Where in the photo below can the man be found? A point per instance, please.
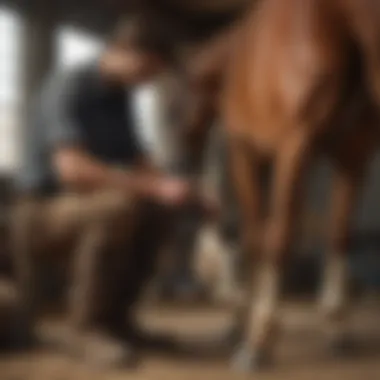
(88, 188)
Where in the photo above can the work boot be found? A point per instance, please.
(100, 349)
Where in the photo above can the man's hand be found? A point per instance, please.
(172, 191)
(176, 192)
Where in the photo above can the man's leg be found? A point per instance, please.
(94, 225)
(182, 282)
(154, 225)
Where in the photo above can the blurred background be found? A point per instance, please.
(37, 35)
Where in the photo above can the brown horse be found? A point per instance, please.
(300, 78)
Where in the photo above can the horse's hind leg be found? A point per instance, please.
(351, 162)
(290, 164)
(335, 284)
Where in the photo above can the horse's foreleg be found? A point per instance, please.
(288, 169)
(245, 175)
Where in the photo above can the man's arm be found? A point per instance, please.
(81, 172)
(74, 167)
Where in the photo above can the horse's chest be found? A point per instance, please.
(261, 125)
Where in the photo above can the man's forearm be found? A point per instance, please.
(83, 173)
(129, 181)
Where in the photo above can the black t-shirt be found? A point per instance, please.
(77, 108)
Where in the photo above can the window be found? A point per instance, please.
(10, 33)
(75, 46)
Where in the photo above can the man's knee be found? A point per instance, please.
(70, 215)
(55, 225)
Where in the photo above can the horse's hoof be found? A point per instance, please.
(246, 361)
(342, 346)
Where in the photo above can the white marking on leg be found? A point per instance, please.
(264, 307)
(334, 290)
(227, 287)
(333, 300)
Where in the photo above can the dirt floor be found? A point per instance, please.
(301, 354)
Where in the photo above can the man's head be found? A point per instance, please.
(136, 52)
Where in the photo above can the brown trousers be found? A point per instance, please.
(106, 242)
